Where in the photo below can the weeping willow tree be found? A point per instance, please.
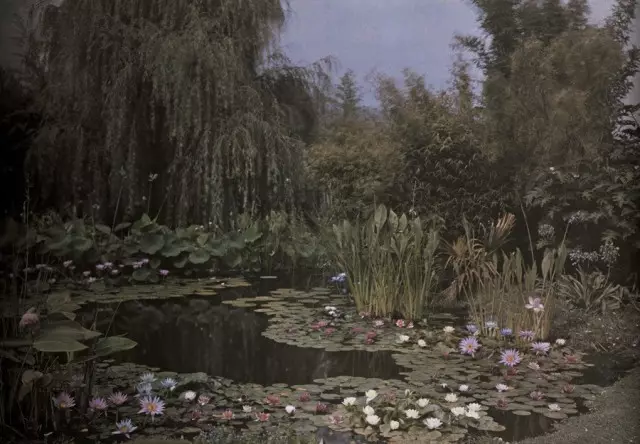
(192, 90)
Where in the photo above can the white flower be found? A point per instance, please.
(412, 413)
(394, 425)
(189, 395)
(457, 411)
(368, 410)
(403, 338)
(560, 341)
(449, 329)
(502, 387)
(451, 397)
(422, 402)
(422, 343)
(247, 408)
(432, 423)
(463, 388)
(370, 395)
(554, 407)
(533, 366)
(372, 419)
(349, 401)
(330, 308)
(290, 409)
(472, 414)
(444, 385)
(474, 407)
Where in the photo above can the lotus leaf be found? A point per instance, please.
(113, 344)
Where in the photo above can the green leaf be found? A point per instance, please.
(28, 376)
(141, 274)
(122, 226)
(113, 344)
(58, 346)
(151, 243)
(252, 234)
(103, 229)
(24, 390)
(154, 263)
(82, 244)
(202, 239)
(66, 329)
(57, 300)
(172, 250)
(180, 263)
(199, 256)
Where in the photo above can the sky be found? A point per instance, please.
(385, 35)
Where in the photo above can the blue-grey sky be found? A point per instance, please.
(385, 35)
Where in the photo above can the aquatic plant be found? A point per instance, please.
(64, 401)
(510, 357)
(469, 345)
(125, 428)
(151, 406)
(117, 398)
(97, 404)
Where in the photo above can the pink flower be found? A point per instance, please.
(118, 398)
(64, 401)
(30, 318)
(227, 414)
(400, 323)
(262, 417)
(97, 404)
(151, 406)
(321, 407)
(163, 273)
(304, 397)
(203, 399)
(273, 400)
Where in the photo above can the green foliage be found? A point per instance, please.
(390, 262)
(348, 95)
(591, 291)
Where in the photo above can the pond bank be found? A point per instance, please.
(615, 417)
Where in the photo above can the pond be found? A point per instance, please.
(269, 335)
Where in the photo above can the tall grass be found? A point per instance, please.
(390, 262)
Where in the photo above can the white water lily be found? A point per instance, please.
(554, 407)
(372, 419)
(368, 410)
(412, 413)
(474, 407)
(449, 329)
(457, 411)
(432, 423)
(247, 408)
(290, 409)
(403, 338)
(534, 366)
(472, 414)
(422, 402)
(502, 387)
(560, 341)
(422, 343)
(370, 395)
(394, 425)
(464, 388)
(451, 397)
(349, 401)
(444, 385)
(189, 395)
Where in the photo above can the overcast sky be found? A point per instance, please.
(385, 35)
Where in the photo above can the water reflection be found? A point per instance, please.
(195, 335)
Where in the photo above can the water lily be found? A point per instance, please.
(169, 383)
(403, 338)
(378, 323)
(472, 328)
(163, 273)
(340, 277)
(535, 304)
(273, 399)
(457, 411)
(227, 414)
(29, 318)
(394, 425)
(472, 414)
(349, 401)
(305, 397)
(290, 409)
(506, 332)
(336, 419)
(449, 329)
(469, 345)
(432, 423)
(67, 264)
(422, 343)
(144, 388)
(370, 395)
(189, 395)
(151, 406)
(147, 377)
(536, 395)
(422, 402)
(321, 407)
(204, 399)
(451, 397)
(491, 325)
(412, 413)
(64, 401)
(502, 387)
(100, 267)
(560, 341)
(510, 357)
(554, 407)
(527, 335)
(368, 410)
(400, 323)
(118, 398)
(534, 366)
(124, 427)
(247, 408)
(474, 407)
(262, 417)
(372, 419)
(97, 404)
(463, 388)
(540, 347)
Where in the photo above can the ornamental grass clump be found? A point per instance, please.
(390, 263)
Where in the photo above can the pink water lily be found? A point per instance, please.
(535, 304)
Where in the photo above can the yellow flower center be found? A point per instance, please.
(152, 408)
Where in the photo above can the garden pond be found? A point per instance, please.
(241, 351)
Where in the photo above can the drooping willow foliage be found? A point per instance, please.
(191, 90)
